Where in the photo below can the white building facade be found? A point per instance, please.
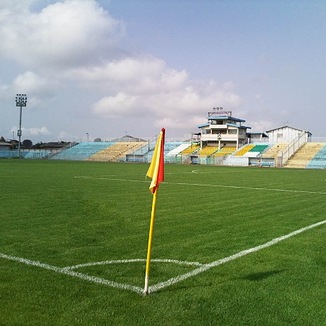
(222, 129)
(286, 134)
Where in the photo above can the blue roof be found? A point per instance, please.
(234, 125)
(228, 124)
(203, 125)
(225, 117)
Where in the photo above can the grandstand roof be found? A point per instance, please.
(234, 125)
(206, 124)
(224, 117)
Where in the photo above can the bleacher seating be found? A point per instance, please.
(171, 150)
(273, 151)
(259, 148)
(141, 150)
(175, 150)
(243, 150)
(190, 150)
(226, 150)
(208, 151)
(310, 155)
(81, 151)
(319, 160)
(116, 151)
(303, 156)
(256, 151)
(171, 145)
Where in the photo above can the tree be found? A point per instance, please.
(27, 143)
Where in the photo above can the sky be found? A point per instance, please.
(109, 68)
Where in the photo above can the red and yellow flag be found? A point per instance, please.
(156, 173)
(156, 168)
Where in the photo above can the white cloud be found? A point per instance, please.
(70, 51)
(29, 82)
(174, 106)
(63, 34)
(132, 74)
(146, 87)
(32, 132)
(37, 131)
(118, 105)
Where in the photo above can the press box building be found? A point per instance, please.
(221, 130)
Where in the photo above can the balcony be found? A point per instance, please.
(219, 137)
(221, 127)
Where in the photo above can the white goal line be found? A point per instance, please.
(156, 287)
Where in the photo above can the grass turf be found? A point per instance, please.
(69, 213)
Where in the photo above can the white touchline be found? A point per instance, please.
(206, 267)
(206, 185)
(243, 187)
(156, 287)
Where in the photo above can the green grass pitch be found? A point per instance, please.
(73, 240)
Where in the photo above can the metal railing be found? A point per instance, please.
(293, 146)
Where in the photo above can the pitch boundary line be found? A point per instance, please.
(206, 185)
(156, 287)
(206, 267)
(66, 271)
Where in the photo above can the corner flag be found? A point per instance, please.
(156, 169)
(156, 173)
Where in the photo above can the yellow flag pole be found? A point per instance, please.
(150, 239)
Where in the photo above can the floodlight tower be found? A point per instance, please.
(21, 101)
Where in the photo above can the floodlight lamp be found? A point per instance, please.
(21, 100)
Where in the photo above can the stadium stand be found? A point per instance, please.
(171, 151)
(319, 160)
(226, 150)
(259, 148)
(256, 151)
(81, 151)
(273, 151)
(171, 146)
(177, 150)
(192, 149)
(139, 153)
(37, 154)
(311, 155)
(208, 151)
(11, 154)
(116, 152)
(243, 150)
